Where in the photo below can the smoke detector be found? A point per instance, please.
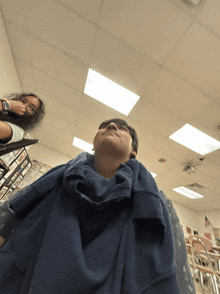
(189, 169)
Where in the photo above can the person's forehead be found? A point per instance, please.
(33, 100)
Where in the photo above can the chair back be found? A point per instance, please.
(196, 244)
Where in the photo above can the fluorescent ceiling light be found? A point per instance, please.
(108, 92)
(82, 145)
(153, 174)
(195, 140)
(188, 193)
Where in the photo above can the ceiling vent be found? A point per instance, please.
(195, 187)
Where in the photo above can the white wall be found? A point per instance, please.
(196, 220)
(188, 217)
(9, 81)
(213, 217)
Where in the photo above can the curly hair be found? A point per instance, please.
(120, 122)
(26, 122)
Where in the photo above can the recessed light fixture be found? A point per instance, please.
(195, 140)
(162, 160)
(108, 92)
(188, 193)
(153, 174)
(83, 145)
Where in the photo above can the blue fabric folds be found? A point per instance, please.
(81, 233)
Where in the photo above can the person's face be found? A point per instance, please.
(31, 103)
(114, 139)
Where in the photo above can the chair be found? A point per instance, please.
(203, 264)
(7, 148)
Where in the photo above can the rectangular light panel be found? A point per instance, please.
(82, 145)
(195, 140)
(188, 193)
(109, 93)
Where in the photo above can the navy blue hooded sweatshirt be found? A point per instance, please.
(81, 233)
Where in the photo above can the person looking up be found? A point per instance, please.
(96, 224)
(19, 114)
(114, 143)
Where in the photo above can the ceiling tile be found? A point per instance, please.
(152, 27)
(195, 204)
(63, 112)
(9, 11)
(210, 15)
(176, 96)
(47, 155)
(185, 8)
(170, 180)
(48, 87)
(154, 130)
(202, 176)
(149, 157)
(9, 81)
(54, 24)
(33, 51)
(57, 133)
(121, 64)
(60, 141)
(88, 9)
(197, 59)
(210, 168)
(155, 117)
(207, 120)
(69, 121)
(98, 111)
(59, 124)
(217, 94)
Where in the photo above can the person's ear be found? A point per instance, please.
(134, 153)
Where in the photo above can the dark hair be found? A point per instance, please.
(120, 122)
(27, 122)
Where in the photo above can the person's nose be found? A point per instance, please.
(112, 126)
(24, 104)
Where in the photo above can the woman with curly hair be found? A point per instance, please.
(18, 114)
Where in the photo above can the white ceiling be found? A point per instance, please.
(163, 50)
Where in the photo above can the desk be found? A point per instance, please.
(215, 256)
(189, 248)
(211, 254)
(7, 148)
(216, 248)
